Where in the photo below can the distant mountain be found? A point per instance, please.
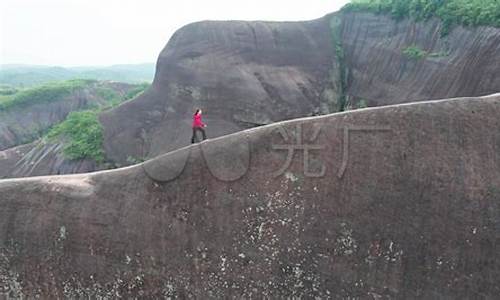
(29, 75)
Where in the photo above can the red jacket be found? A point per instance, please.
(197, 121)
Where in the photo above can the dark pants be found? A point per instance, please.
(195, 129)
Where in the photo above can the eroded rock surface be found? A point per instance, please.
(393, 202)
(245, 74)
(41, 158)
(466, 62)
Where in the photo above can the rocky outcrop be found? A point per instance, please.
(392, 202)
(247, 74)
(41, 158)
(243, 74)
(466, 62)
(10, 157)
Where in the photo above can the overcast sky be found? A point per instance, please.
(106, 32)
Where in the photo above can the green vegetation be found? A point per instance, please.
(137, 91)
(113, 98)
(7, 90)
(82, 134)
(339, 57)
(107, 94)
(135, 160)
(46, 93)
(451, 12)
(362, 104)
(352, 104)
(414, 52)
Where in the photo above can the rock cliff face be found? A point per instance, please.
(245, 74)
(466, 62)
(392, 202)
(41, 158)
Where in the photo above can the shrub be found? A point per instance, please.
(414, 52)
(82, 135)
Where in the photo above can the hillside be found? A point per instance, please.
(31, 139)
(407, 208)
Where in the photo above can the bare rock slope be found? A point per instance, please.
(41, 158)
(246, 74)
(392, 202)
(466, 62)
(243, 74)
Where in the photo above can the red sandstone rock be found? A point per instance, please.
(414, 214)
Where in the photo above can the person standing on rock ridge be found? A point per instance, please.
(198, 125)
